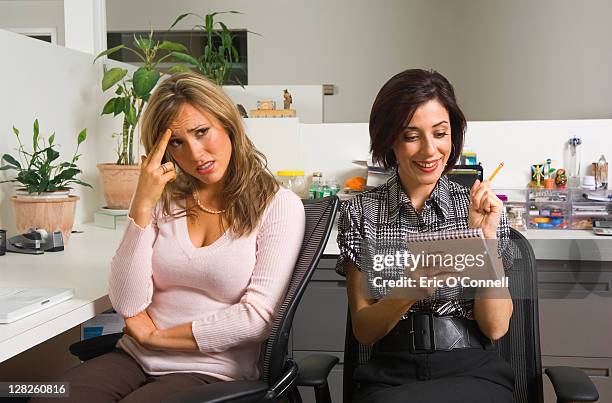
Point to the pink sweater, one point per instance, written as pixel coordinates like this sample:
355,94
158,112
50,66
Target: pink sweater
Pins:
229,291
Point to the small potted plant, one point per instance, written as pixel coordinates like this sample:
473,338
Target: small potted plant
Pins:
217,59
119,179
43,198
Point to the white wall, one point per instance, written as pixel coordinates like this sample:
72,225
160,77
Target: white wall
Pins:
331,148
509,60
60,87
33,14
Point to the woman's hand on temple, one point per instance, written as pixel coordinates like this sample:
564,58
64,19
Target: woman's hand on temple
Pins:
485,209
152,180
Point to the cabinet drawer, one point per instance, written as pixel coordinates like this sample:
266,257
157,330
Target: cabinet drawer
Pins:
598,369
573,327
320,321
575,285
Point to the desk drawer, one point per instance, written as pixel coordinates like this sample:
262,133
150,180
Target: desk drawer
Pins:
598,369
576,327
576,285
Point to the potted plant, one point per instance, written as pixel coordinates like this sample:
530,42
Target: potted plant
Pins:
218,50
43,200
119,179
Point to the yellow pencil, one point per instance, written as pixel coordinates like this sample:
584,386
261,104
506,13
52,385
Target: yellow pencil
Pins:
496,171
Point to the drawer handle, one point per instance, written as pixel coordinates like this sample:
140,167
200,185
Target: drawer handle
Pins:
598,372
571,286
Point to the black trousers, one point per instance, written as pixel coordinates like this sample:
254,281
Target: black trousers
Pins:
463,375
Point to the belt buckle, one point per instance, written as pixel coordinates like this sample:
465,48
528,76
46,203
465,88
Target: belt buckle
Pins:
430,324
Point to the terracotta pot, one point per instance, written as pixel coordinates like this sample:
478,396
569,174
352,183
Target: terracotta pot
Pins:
118,184
51,214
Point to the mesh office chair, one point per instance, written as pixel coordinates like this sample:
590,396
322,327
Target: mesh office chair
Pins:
520,346
278,373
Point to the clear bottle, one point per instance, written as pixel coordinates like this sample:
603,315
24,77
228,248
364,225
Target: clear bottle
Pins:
333,185
317,177
323,190
601,173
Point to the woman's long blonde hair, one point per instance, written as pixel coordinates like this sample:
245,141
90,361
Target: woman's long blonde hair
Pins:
249,185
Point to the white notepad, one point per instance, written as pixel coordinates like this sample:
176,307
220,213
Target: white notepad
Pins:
16,303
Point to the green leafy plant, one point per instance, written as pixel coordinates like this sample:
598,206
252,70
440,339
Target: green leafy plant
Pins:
216,61
37,170
133,92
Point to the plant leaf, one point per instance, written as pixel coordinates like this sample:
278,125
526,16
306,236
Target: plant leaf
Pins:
173,46
112,77
144,80
52,155
131,116
16,131
35,137
51,138
109,107
82,136
183,57
118,106
9,158
178,68
180,17
109,51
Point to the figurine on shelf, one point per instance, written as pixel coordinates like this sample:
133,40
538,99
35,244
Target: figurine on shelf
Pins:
288,100
536,176
549,182
561,179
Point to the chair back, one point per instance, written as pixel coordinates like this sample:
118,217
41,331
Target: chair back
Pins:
520,346
320,216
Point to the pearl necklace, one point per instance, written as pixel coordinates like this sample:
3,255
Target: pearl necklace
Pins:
208,210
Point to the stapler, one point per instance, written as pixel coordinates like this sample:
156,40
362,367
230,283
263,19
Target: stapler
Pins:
602,227
36,242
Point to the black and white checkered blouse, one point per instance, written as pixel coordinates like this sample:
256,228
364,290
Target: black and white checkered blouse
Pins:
385,213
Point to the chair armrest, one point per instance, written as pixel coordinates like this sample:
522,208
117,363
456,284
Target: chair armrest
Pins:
572,385
315,369
224,391
91,348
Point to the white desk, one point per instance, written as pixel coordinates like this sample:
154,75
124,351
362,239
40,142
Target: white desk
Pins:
546,244
84,266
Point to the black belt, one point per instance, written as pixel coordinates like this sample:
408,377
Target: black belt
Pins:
425,333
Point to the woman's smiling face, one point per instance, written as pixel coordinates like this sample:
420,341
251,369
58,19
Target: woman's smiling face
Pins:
424,145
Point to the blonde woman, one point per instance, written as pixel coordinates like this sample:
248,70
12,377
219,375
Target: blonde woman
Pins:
206,257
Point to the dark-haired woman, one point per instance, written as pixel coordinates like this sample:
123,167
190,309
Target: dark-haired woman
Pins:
417,130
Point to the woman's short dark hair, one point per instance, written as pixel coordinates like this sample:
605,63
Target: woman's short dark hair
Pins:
395,105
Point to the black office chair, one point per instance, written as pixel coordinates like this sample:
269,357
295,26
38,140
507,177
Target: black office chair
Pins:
278,372
520,346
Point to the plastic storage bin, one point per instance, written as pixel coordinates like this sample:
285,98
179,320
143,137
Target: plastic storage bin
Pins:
548,208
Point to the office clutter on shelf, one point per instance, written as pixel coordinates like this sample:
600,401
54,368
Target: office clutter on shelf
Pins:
267,108
555,208
294,181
